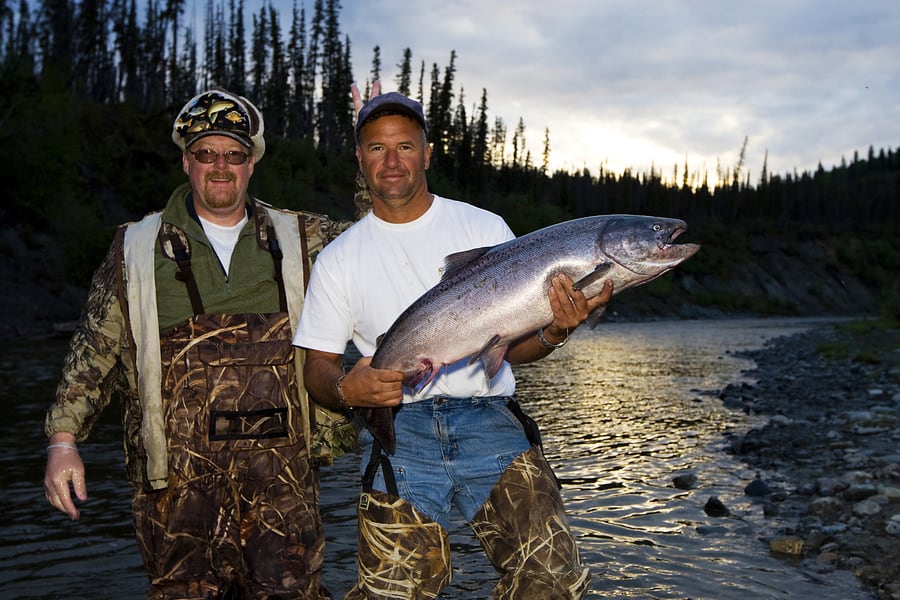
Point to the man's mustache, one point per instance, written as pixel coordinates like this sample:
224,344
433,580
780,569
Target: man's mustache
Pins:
220,175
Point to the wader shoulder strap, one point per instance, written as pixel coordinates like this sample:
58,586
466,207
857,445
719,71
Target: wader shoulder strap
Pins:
175,245
277,256
532,431
379,459
304,247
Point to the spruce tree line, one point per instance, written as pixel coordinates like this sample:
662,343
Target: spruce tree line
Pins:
89,89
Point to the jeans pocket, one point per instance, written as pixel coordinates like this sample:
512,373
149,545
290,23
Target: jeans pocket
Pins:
504,460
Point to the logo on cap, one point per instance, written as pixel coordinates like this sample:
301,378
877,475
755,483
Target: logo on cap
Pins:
220,112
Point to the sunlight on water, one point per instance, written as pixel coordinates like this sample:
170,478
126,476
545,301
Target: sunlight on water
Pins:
623,410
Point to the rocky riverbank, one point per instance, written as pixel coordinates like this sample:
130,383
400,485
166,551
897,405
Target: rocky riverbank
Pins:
829,455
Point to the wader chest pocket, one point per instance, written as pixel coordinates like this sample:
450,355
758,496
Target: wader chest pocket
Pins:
253,424
252,394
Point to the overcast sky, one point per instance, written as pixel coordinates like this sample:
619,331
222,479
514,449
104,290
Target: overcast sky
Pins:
641,83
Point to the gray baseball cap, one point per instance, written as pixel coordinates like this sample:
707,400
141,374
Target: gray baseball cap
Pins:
393,102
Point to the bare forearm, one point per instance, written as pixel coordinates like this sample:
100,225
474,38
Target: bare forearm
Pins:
530,348
320,375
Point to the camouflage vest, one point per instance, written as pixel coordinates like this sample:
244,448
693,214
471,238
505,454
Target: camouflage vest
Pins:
328,434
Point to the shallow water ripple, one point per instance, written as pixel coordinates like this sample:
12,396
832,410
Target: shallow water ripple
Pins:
623,410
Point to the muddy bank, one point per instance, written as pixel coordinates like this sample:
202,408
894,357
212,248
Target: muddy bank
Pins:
829,454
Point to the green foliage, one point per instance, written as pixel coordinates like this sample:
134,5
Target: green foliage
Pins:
875,256
866,341
731,303
294,175
86,144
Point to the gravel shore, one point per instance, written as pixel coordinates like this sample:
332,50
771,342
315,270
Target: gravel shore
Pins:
829,454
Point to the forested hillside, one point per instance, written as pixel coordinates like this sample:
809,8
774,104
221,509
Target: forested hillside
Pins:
88,92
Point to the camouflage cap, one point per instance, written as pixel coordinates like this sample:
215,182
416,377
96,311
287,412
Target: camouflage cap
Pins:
219,112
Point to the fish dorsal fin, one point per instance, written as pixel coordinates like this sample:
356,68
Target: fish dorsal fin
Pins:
491,355
593,276
457,260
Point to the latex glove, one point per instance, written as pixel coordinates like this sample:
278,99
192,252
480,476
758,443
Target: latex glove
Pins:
64,467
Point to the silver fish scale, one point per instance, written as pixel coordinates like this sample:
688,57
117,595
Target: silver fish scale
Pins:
502,294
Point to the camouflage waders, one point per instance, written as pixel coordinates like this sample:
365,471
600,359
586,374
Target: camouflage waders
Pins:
240,512
524,532
522,528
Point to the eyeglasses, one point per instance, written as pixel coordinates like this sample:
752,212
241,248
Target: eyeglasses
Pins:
232,157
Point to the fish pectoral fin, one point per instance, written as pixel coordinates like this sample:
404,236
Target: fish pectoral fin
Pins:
593,276
421,378
457,260
491,355
594,318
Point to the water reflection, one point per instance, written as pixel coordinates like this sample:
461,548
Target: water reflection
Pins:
623,410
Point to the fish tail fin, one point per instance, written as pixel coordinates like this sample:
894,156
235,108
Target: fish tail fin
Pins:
380,422
594,318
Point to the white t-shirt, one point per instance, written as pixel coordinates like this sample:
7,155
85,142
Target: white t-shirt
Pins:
223,239
366,277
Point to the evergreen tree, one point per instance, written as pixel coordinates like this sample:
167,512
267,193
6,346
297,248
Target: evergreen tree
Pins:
275,98
518,146
376,69
152,63
55,36
259,54
19,50
480,146
299,114
237,50
545,156
405,74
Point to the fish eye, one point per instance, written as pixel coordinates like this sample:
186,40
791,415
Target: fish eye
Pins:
657,227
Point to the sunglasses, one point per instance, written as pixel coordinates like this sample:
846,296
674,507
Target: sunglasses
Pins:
232,157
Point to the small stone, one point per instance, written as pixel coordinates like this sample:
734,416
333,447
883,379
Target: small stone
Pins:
892,527
780,420
835,528
857,477
789,544
828,486
715,508
860,491
816,539
866,508
757,488
685,481
829,506
891,493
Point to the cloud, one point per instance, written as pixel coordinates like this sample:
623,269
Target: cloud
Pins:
641,83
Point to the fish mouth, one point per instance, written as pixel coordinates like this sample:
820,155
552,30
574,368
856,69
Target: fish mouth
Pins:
682,251
672,235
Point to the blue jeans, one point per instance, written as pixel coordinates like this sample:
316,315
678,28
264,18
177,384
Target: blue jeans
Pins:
450,451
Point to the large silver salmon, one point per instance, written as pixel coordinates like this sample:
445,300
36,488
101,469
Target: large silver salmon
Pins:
490,297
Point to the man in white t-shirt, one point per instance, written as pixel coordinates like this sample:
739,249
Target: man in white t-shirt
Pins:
461,440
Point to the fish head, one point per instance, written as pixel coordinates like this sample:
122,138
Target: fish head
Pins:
643,246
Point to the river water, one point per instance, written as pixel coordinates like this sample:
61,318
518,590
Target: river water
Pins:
624,408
